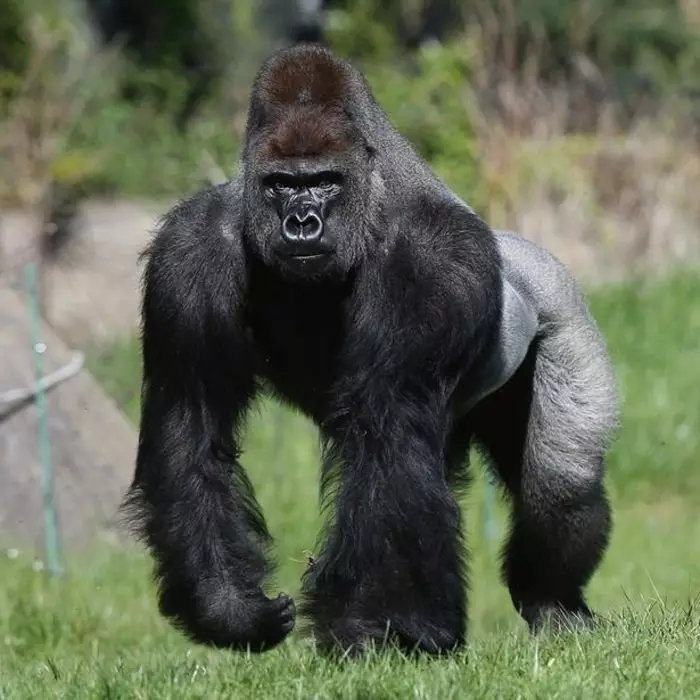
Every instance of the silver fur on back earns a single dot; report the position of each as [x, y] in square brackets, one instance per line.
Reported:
[575, 409]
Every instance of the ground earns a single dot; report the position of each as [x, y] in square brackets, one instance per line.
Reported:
[96, 632]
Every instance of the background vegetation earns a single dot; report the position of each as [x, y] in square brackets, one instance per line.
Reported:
[573, 122]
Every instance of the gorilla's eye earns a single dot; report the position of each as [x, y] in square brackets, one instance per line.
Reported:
[327, 186]
[281, 188]
[279, 184]
[329, 183]
[326, 183]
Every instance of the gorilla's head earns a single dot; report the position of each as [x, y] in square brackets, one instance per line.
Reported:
[310, 189]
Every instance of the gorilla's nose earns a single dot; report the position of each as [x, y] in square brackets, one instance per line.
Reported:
[300, 228]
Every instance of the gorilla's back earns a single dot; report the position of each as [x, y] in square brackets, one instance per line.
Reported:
[540, 278]
[571, 354]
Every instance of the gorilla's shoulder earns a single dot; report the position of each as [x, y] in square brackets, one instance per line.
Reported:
[205, 227]
[440, 223]
[206, 206]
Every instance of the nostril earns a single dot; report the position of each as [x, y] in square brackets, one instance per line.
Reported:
[291, 227]
[311, 226]
[305, 227]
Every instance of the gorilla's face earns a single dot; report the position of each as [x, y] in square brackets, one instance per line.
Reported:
[308, 198]
[307, 215]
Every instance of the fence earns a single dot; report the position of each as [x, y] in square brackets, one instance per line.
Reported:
[13, 399]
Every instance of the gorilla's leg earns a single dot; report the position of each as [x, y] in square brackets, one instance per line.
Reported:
[546, 432]
[457, 449]
[390, 568]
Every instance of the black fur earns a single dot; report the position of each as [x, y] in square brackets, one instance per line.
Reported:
[377, 346]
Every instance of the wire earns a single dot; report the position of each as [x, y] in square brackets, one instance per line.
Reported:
[47, 382]
[50, 528]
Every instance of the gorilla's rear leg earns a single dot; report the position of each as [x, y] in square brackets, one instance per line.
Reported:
[546, 432]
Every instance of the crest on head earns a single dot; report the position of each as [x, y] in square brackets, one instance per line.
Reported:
[299, 104]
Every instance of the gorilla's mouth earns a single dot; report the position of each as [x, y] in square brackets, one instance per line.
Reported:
[308, 264]
[304, 258]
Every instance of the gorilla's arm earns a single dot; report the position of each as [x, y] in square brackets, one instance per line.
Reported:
[190, 498]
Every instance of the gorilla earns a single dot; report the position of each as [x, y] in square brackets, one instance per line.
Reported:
[337, 273]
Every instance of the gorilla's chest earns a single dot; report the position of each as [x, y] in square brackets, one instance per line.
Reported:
[298, 336]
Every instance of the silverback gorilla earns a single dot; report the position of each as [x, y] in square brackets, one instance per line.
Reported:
[337, 272]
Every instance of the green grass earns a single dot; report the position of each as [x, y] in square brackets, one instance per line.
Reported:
[96, 633]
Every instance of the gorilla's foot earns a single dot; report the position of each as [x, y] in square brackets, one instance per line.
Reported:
[557, 617]
[351, 633]
[429, 637]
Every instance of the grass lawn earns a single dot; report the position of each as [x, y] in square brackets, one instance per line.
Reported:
[96, 633]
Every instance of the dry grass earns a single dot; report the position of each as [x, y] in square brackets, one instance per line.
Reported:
[609, 200]
[611, 193]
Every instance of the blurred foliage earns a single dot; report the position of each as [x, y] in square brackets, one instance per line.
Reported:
[636, 45]
[14, 50]
[647, 46]
[363, 30]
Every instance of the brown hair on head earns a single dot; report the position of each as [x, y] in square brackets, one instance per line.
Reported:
[301, 76]
[312, 130]
[303, 90]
